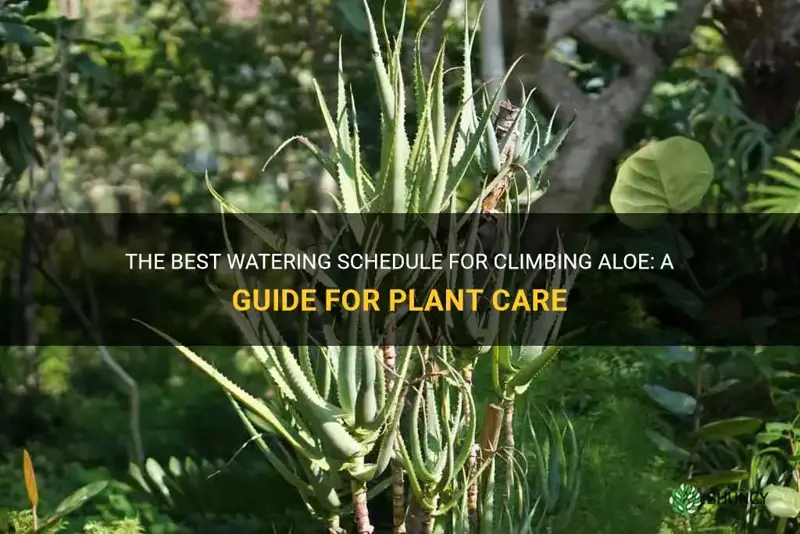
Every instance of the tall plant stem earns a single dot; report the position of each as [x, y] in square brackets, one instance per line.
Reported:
[398, 483]
[698, 412]
[363, 525]
[509, 445]
[334, 526]
[428, 523]
[793, 450]
[472, 462]
[398, 498]
[490, 438]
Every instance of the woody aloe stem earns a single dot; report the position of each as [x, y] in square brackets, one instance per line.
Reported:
[508, 429]
[363, 525]
[472, 463]
[398, 483]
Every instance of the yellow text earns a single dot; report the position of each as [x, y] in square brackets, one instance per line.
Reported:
[531, 300]
[262, 300]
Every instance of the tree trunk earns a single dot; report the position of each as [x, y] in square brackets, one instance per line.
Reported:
[596, 139]
[493, 63]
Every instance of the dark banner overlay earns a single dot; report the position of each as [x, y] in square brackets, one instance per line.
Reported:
[409, 279]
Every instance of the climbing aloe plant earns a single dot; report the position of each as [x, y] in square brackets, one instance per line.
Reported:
[348, 409]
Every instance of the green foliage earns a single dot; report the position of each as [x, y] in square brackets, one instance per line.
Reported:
[667, 176]
[338, 408]
[205, 492]
[183, 84]
[22, 523]
[779, 201]
[599, 387]
[783, 502]
[37, 64]
[29, 521]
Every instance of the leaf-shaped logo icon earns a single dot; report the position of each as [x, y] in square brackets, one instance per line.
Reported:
[686, 500]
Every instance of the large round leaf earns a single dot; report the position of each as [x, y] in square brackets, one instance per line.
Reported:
[782, 502]
[666, 176]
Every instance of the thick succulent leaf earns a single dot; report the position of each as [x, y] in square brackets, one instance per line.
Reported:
[270, 239]
[257, 406]
[287, 473]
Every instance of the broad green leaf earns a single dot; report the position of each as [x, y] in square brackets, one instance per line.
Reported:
[769, 437]
[678, 296]
[680, 354]
[722, 386]
[79, 498]
[719, 479]
[156, 474]
[729, 428]
[780, 427]
[675, 401]
[782, 502]
[672, 175]
[19, 34]
[667, 445]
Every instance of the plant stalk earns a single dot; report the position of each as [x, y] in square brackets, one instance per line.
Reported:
[698, 413]
[508, 449]
[428, 523]
[398, 498]
[398, 483]
[363, 525]
[334, 526]
[472, 462]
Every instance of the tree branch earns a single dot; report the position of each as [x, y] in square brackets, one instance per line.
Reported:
[618, 39]
[557, 87]
[590, 149]
[678, 31]
[564, 18]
